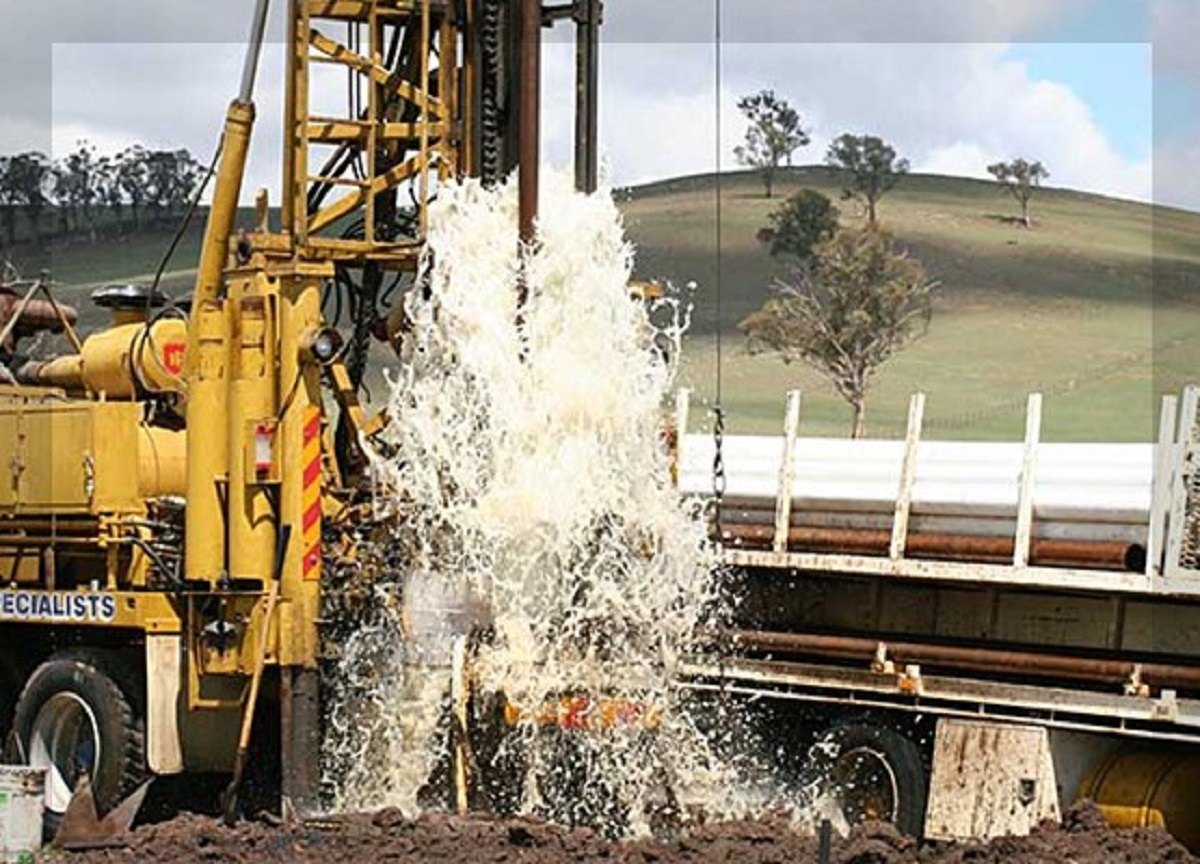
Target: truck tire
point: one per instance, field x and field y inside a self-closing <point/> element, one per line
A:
<point x="10" y="686"/>
<point x="871" y="772"/>
<point x="73" y="717"/>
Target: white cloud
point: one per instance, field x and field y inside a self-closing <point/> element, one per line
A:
<point x="961" y="159"/>
<point x="770" y="21"/>
<point x="948" y="106"/>
<point x="951" y="108"/>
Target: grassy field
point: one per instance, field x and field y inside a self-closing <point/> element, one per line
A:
<point x="1097" y="307"/>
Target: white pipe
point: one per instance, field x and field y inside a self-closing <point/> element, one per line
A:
<point x="1089" y="483"/>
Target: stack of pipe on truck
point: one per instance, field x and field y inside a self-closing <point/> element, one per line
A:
<point x="1091" y="502"/>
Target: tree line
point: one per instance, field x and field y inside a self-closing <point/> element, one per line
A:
<point x="871" y="167"/>
<point x="85" y="192"/>
<point x="853" y="297"/>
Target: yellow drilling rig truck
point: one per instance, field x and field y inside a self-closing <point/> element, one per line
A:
<point x="176" y="485"/>
<point x="171" y="482"/>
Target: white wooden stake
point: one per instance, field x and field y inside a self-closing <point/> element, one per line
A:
<point x="908" y="475"/>
<point x="1033" y="432"/>
<point x="1178" y="503"/>
<point x="1160" y="497"/>
<point x="783" y="501"/>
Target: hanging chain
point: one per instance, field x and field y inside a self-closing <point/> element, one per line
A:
<point x="719" y="479"/>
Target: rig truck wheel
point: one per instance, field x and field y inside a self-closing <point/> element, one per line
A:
<point x="73" y="717"/>
<point x="871" y="772"/>
<point x="10" y="686"/>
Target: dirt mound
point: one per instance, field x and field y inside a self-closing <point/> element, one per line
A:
<point x="388" y="836"/>
<point x="1083" y="837"/>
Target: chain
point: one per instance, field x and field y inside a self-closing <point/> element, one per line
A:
<point x="719" y="479"/>
<point x="1189" y="550"/>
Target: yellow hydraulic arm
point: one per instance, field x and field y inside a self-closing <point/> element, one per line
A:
<point x="208" y="348"/>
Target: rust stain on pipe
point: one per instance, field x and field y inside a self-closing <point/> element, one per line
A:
<point x="970" y="659"/>
<point x="1106" y="555"/>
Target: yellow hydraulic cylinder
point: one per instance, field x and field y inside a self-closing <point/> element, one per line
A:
<point x="207" y="358"/>
<point x="1142" y="789"/>
<point x="207" y="441"/>
<point x="121" y="362"/>
<point x="214" y="251"/>
<point x="162" y="462"/>
<point x="155" y="354"/>
<point x="253" y="433"/>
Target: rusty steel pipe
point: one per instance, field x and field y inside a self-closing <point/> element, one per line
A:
<point x="37" y="315"/>
<point x="528" y="141"/>
<point x="1105" y="555"/>
<point x="587" y="81"/>
<point x="528" y="149"/>
<point x="970" y="659"/>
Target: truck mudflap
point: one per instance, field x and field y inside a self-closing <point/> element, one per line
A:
<point x="990" y="780"/>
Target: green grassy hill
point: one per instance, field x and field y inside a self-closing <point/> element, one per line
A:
<point x="78" y="264"/>
<point x="1098" y="306"/>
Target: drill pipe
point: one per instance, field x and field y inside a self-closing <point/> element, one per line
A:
<point x="530" y="109"/>
<point x="970" y="659"/>
<point x="1103" y="555"/>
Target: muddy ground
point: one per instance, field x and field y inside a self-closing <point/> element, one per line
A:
<point x="388" y="836"/>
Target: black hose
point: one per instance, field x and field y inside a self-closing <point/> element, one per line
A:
<point x="183" y="224"/>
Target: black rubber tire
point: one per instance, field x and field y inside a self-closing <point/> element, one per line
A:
<point x="10" y="687"/>
<point x="900" y="755"/>
<point x="90" y="675"/>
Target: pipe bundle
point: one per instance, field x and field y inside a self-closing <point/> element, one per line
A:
<point x="1091" y="502"/>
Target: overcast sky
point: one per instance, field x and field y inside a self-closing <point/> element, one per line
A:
<point x="1105" y="92"/>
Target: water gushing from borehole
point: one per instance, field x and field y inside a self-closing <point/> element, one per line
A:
<point x="526" y="494"/>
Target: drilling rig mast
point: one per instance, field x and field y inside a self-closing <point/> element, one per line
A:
<point x="195" y="464"/>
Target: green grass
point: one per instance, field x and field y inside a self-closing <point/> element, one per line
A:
<point x="1098" y="306"/>
<point x="79" y="265"/>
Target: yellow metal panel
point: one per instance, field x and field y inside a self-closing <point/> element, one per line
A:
<point x="207" y="441"/>
<point x="10" y="421"/>
<point x="252" y="400"/>
<point x="20" y="566"/>
<point x="301" y="489"/>
<point x="58" y="465"/>
<point x="162" y="462"/>
<point x="115" y="457"/>
<point x="71" y="457"/>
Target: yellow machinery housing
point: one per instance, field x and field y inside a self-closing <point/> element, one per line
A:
<point x="173" y="480"/>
